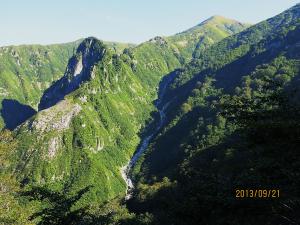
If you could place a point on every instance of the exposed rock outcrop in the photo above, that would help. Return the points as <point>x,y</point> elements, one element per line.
<point>56,118</point>
<point>53,146</point>
<point>159,40</point>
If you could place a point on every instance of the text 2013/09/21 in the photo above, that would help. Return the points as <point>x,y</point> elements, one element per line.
<point>257,193</point>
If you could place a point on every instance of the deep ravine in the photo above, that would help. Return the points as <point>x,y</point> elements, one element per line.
<point>161,107</point>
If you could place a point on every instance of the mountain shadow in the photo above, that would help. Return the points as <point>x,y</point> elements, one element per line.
<point>14,113</point>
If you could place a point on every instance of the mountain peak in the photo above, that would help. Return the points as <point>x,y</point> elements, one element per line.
<point>88,43</point>
<point>80,69</point>
<point>90,51</point>
<point>218,19</point>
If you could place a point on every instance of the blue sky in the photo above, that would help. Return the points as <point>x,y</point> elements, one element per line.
<point>57,21</point>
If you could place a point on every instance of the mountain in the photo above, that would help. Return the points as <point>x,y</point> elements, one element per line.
<point>26,71</point>
<point>70,155</point>
<point>233,59</point>
<point>231,124</point>
<point>79,69</point>
<point>199,37</point>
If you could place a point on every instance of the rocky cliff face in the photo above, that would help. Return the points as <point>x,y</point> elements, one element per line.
<point>80,68</point>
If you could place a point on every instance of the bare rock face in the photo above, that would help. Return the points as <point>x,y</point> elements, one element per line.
<point>100,144</point>
<point>159,40</point>
<point>53,147</point>
<point>78,67</point>
<point>56,118</point>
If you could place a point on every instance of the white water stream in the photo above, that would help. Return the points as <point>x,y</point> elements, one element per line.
<point>125,170</point>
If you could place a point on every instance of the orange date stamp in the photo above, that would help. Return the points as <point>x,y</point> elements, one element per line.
<point>257,193</point>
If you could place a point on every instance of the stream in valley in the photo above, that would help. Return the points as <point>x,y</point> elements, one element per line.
<point>126,170</point>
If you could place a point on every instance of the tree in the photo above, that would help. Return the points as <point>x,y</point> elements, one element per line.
<point>11,211</point>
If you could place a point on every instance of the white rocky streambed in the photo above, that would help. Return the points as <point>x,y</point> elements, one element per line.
<point>126,170</point>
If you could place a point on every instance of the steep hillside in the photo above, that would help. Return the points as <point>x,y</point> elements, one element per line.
<point>26,71</point>
<point>232,116</point>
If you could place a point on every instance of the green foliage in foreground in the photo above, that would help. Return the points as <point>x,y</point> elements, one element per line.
<point>258,150</point>
<point>12,209</point>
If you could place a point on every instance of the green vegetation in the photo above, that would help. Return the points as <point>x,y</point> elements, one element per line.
<point>89,136</point>
<point>12,209</point>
